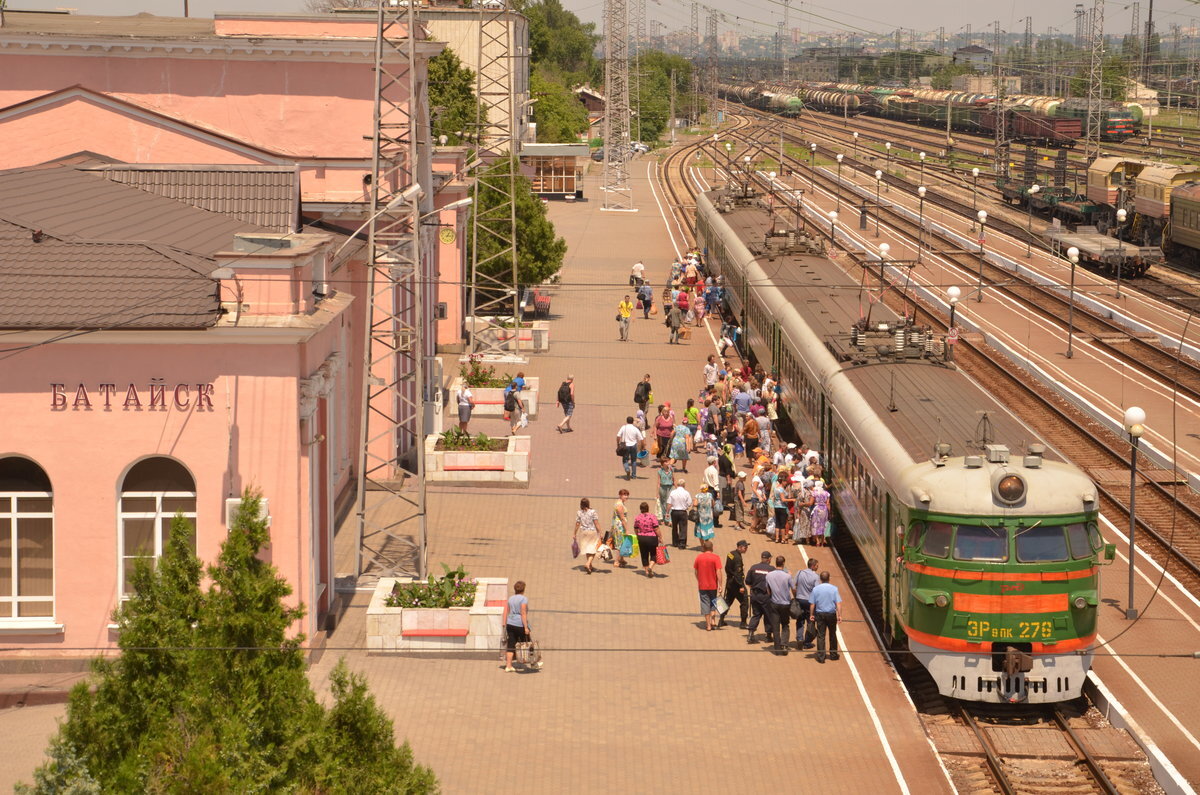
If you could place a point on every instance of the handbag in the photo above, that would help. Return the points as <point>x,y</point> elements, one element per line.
<point>693,515</point>
<point>796,610</point>
<point>620,450</point>
<point>574,547</point>
<point>721,605</point>
<point>661,556</point>
<point>654,309</point>
<point>527,652</point>
<point>639,303</point>
<point>627,546</point>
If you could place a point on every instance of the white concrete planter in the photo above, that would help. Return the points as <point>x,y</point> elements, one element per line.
<point>535,338</point>
<point>489,401</point>
<point>456,630</point>
<point>509,466</point>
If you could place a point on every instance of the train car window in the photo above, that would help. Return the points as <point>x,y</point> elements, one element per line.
<point>973,542</point>
<point>1095,537</point>
<point>1081,546</point>
<point>1043,543</point>
<point>937,539</point>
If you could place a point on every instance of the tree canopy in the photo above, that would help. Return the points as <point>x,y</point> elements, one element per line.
<point>652,100</point>
<point>209,693</point>
<point>559,114</point>
<point>452,103</point>
<point>560,44</point>
<point>540,251</point>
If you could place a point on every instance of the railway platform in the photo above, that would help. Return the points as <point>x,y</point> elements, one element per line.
<point>635,695</point>
<point>1146,665</point>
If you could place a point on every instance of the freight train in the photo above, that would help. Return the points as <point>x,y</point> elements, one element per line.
<point>985,548</point>
<point>1028,118</point>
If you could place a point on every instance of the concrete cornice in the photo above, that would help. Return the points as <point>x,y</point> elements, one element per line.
<point>249,49</point>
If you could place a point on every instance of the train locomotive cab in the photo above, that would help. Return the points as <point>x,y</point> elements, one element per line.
<point>1001,600</point>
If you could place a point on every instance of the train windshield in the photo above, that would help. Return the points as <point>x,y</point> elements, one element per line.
<point>1041,543</point>
<point>981,543</point>
<point>1085,539</point>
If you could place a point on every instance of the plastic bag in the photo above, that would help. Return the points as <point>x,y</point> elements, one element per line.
<point>574,547</point>
<point>627,547</point>
<point>524,420</point>
<point>605,552</point>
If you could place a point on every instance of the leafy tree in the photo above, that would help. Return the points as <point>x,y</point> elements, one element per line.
<point>944,75</point>
<point>210,694</point>
<point>559,44</point>
<point>452,103</point>
<point>559,114</point>
<point>652,101</point>
<point>539,251</point>
<point>1113,84</point>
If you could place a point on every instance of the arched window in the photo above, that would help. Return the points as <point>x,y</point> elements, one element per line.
<point>26,541</point>
<point>153,491</point>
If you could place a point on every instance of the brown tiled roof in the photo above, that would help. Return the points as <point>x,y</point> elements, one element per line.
<point>266,196</point>
<point>80,204</point>
<point>76,284</point>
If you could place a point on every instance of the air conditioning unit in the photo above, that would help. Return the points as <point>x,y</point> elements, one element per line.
<point>234,504</point>
<point>440,310</point>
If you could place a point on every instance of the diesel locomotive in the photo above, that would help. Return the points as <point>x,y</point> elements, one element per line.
<point>984,543</point>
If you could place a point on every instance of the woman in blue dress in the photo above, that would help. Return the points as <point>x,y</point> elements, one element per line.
<point>679,446</point>
<point>704,514</point>
<point>666,482</point>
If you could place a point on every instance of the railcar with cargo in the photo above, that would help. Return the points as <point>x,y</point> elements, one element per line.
<point>984,543</point>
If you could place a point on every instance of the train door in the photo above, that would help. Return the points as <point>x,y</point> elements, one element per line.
<point>776,343</point>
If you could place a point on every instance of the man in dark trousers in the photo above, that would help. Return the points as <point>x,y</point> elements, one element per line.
<point>760,596</point>
<point>779,585</point>
<point>735,582</point>
<point>642,392</point>
<point>805,581</point>
<point>826,611</point>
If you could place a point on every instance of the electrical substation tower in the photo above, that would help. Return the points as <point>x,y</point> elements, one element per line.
<point>710,64</point>
<point>618,193</point>
<point>391,472</point>
<point>1095,83</point>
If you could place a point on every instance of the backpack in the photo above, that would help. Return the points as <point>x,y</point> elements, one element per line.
<point>564,393</point>
<point>510,401</point>
<point>641,393</point>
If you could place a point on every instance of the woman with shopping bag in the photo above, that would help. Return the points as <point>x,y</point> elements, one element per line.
<point>619,528</point>
<point>648,537</point>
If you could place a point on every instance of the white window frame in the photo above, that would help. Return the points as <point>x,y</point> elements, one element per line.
<point>15,599</point>
<point>157,515</point>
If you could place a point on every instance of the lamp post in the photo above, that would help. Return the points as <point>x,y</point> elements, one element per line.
<point>920,221</point>
<point>887,147</point>
<point>856,144</point>
<point>952,295</point>
<point>878,181</point>
<point>982,216</point>
<point>1033,190</point>
<point>922,157</point>
<point>746,176</point>
<point>812,165</point>
<point>839,182</point>
<point>974,194</point>
<point>728,157</point>
<point>1073,256</point>
<point>1121,216</point>
<point>833,216</point>
<point>1135,426</point>
<point>884,248</point>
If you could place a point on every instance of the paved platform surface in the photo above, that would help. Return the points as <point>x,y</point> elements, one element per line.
<point>635,696</point>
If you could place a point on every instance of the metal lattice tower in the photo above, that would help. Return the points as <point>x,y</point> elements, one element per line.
<point>1095,82</point>
<point>391,470</point>
<point>785,35</point>
<point>713,54</point>
<point>1080,26</point>
<point>637,29</point>
<point>494,289</point>
<point>1148,46</point>
<point>1000,152</point>
<point>618,193</point>
<point>693,52</point>
<point>1027,42</point>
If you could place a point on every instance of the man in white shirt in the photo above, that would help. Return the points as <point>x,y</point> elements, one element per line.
<point>637,274</point>
<point>679,501</point>
<point>710,371</point>
<point>809,457</point>
<point>629,436</point>
<point>466,404</point>
<point>712,479</point>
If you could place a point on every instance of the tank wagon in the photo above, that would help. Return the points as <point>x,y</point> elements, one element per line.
<point>984,544</point>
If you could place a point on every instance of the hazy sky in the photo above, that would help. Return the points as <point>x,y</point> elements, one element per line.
<point>758,16</point>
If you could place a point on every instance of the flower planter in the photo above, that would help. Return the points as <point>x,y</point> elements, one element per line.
<point>505,467</point>
<point>474,630</point>
<point>489,401</point>
<point>531,336</point>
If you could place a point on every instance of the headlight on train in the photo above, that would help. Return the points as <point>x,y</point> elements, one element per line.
<point>1008,487</point>
<point>941,600</point>
<point>1080,603</point>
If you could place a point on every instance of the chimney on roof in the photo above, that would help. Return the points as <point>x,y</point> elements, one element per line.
<point>38,236</point>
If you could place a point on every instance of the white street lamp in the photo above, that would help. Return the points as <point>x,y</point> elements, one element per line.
<point>982,216</point>
<point>878,182</point>
<point>1135,426</point>
<point>974,194</point>
<point>1121,216</point>
<point>1073,256</point>
<point>1033,190</point>
<point>839,180</point>
<point>920,220</point>
<point>952,295</point>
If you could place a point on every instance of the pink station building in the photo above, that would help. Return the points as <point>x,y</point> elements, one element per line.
<point>184,310</point>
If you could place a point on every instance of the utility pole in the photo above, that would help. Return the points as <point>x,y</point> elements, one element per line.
<point>637,29</point>
<point>1095,82</point>
<point>671,113</point>
<point>618,193</point>
<point>392,527</point>
<point>1000,164</point>
<point>693,52</point>
<point>1080,28</point>
<point>896,53</point>
<point>1148,48</point>
<point>784,34</point>
<point>1027,45</point>
<point>710,66</point>
<point>942,40</point>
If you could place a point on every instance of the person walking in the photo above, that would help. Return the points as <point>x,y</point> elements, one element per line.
<point>624,312</point>
<point>760,594</point>
<point>637,274</point>
<point>779,584</point>
<point>708,580</point>
<point>619,527</point>
<point>818,514</point>
<point>516,625</point>
<point>826,613</point>
<point>664,427</point>
<point>712,479</point>
<point>566,399</point>
<point>629,437</point>
<point>806,580</point>
<point>645,294</point>
<point>710,371</point>
<point>643,393</point>
<point>741,506</point>
<point>466,404</point>
<point>691,418</point>
<point>674,321</point>
<point>646,527</point>
<point>735,582</point>
<point>680,440</point>
<point>514,406</point>
<point>704,514</point>
<point>587,533</point>
<point>666,482</point>
<point>679,501</point>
